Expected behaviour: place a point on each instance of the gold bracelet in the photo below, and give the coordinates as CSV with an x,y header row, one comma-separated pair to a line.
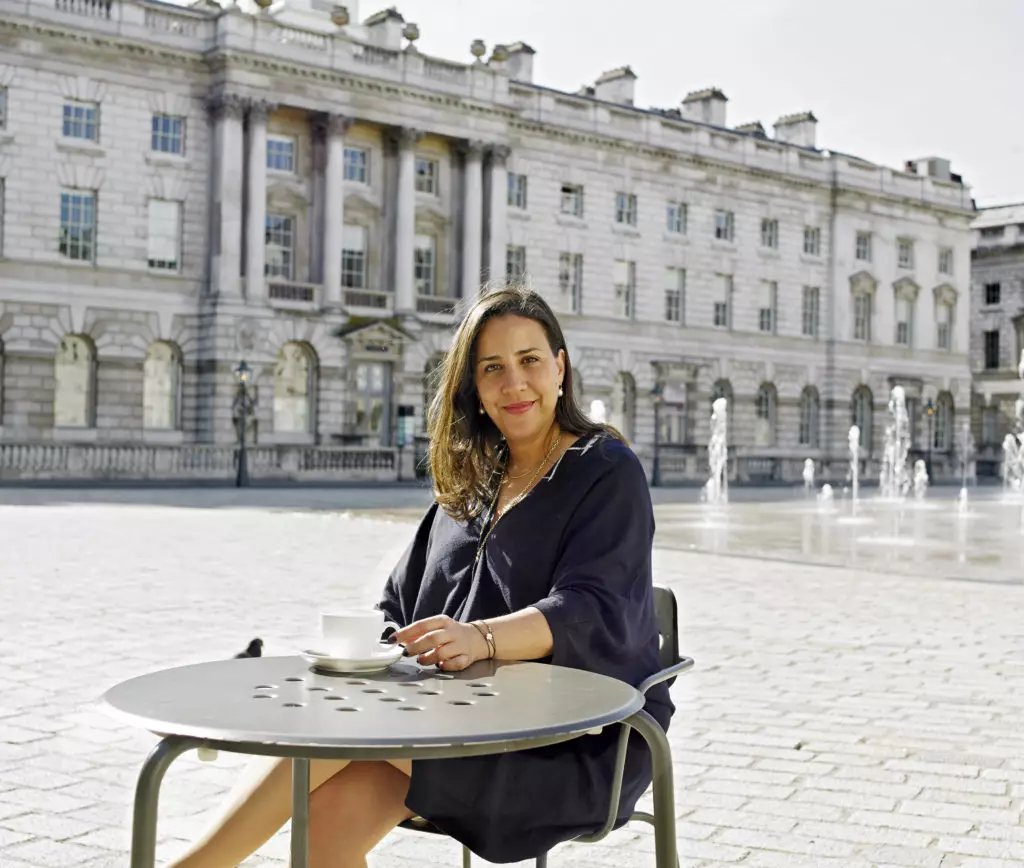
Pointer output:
x,y
485,631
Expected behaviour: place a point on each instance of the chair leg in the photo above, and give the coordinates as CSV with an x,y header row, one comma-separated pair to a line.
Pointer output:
x,y
467,858
542,860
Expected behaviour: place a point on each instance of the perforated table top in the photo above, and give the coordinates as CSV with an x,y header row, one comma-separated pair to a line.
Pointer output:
x,y
283,701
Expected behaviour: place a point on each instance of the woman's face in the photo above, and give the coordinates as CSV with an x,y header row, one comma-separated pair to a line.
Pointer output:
x,y
517,376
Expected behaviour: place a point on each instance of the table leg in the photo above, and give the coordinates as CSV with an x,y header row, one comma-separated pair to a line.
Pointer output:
x,y
300,813
664,791
147,798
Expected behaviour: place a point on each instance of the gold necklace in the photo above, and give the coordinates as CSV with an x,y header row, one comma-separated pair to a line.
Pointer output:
x,y
514,501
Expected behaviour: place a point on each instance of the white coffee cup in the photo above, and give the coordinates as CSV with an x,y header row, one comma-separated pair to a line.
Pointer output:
x,y
353,633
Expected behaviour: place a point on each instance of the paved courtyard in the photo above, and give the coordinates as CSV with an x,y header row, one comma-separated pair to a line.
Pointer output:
x,y
836,716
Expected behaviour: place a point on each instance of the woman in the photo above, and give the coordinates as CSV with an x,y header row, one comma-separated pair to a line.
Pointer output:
x,y
537,547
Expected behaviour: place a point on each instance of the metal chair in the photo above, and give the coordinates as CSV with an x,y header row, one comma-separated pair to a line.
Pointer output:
x,y
666,611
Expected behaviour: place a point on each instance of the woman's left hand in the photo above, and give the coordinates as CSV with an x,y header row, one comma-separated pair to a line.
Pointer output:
x,y
443,642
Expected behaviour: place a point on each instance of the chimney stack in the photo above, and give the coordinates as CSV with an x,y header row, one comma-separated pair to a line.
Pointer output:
x,y
933,167
385,28
705,106
799,129
520,61
616,85
754,128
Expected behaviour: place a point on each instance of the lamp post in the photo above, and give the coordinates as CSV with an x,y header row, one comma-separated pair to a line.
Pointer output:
x,y
929,410
241,408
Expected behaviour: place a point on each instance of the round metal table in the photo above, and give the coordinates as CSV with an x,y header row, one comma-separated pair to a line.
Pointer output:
x,y
281,706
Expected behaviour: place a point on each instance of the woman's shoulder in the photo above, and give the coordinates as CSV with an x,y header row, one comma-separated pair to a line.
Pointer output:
x,y
602,454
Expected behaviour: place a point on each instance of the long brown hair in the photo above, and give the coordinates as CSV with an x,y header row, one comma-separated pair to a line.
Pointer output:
x,y
466,448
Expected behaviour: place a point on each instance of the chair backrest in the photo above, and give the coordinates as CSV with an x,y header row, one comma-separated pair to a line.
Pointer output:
x,y
666,611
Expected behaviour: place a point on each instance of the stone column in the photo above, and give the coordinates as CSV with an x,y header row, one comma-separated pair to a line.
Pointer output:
x,y
405,222
335,128
226,229
497,218
256,199
473,220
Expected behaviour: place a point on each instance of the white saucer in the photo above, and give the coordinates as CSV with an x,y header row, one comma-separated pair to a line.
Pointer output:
x,y
373,662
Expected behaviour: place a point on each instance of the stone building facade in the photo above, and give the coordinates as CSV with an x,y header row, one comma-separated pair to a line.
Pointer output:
x,y
309,192
997,328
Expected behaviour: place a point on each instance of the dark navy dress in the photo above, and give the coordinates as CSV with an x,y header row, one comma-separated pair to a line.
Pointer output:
x,y
578,548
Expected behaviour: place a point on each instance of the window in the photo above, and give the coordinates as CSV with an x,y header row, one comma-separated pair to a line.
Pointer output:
x,y
724,225
280,247
357,165
570,279
809,417
77,225
990,426
164,244
373,401
167,134
943,427
993,292
353,256
625,209
3,192
770,234
991,350
517,191
724,301
625,286
764,426
515,262
425,265
82,121
862,317
3,108
426,176
809,312
812,241
675,295
904,321
863,415
676,217
280,154
572,200
863,249
905,253
992,232
945,260
766,306
943,324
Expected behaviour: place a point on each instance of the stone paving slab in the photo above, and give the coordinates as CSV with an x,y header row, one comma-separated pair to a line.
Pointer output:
x,y
836,717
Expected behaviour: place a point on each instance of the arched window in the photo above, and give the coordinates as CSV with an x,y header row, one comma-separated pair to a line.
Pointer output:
x,y
809,432
74,391
161,387
764,427
623,404
295,390
862,415
944,415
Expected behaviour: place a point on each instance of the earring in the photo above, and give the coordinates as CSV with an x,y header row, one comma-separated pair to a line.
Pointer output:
x,y
481,408
560,392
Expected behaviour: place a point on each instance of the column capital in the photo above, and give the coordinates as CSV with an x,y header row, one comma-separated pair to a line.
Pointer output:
x,y
221,104
499,153
331,124
473,149
406,137
260,108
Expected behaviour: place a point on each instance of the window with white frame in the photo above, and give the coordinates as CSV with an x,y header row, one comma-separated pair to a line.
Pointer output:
x,y
572,199
809,312
764,426
517,191
426,176
353,256
809,417
723,301
862,407
3,108
357,165
724,225
944,326
425,264
281,154
280,247
945,260
812,241
164,240
904,320
625,209
167,134
862,317
863,247
77,225
515,262
904,253
675,295
81,121
676,218
625,286
770,234
943,429
766,306
570,279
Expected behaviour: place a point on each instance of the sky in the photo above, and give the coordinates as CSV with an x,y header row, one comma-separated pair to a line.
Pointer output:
x,y
888,80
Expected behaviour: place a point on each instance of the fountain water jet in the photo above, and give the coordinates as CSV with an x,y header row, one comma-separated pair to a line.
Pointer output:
x,y
1013,445
854,440
920,480
894,478
716,490
808,475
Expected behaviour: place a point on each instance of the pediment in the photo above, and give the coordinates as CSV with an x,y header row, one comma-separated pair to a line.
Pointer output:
x,y
863,283
286,195
906,288
374,336
945,294
360,203
433,216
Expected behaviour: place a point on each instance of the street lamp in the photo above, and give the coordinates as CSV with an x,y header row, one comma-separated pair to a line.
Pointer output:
x,y
929,410
241,408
